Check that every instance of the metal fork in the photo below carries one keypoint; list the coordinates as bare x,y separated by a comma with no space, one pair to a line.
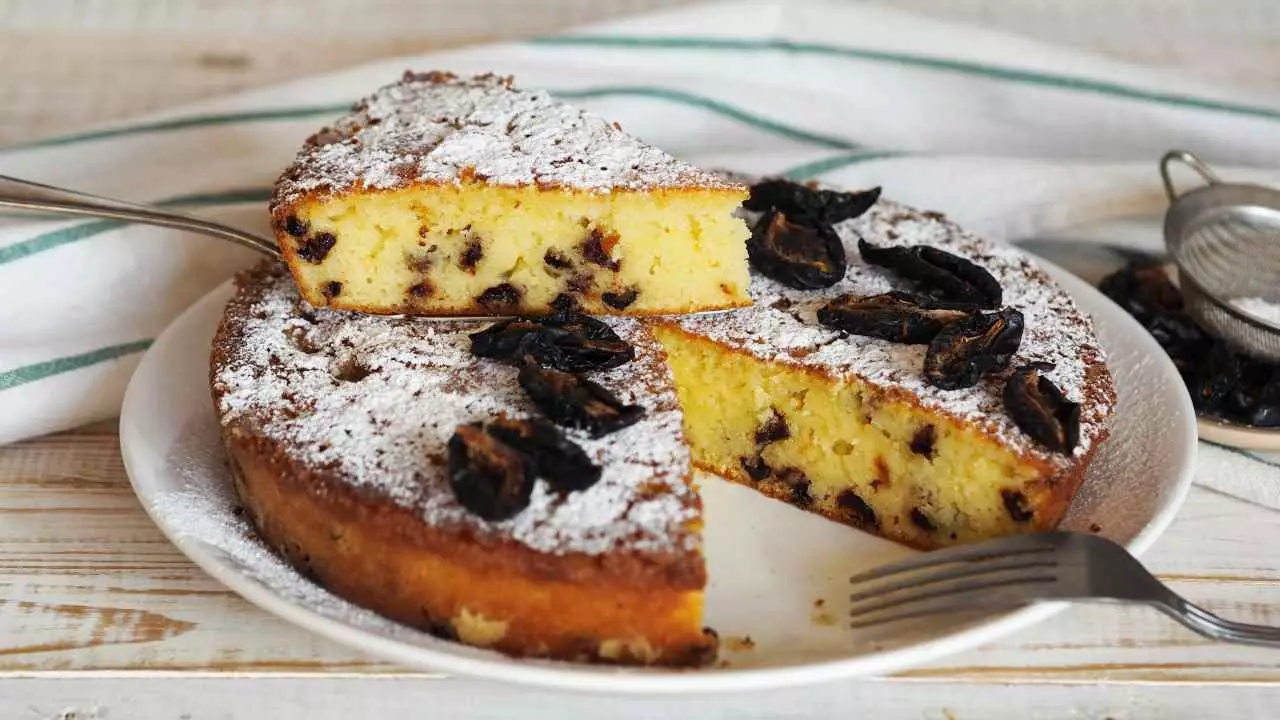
1022,569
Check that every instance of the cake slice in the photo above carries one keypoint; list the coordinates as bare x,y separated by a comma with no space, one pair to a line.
441,195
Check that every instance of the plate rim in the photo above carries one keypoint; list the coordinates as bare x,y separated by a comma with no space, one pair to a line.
595,678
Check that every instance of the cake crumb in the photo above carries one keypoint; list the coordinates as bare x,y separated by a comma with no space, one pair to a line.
736,644
1095,528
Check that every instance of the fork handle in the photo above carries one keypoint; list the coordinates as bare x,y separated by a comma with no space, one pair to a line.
27,195
1211,626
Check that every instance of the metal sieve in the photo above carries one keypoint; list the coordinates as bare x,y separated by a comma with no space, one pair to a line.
1225,240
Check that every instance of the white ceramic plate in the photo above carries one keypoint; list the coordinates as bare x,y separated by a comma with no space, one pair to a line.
768,562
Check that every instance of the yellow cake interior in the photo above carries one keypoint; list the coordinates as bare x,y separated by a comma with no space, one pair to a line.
456,248
924,487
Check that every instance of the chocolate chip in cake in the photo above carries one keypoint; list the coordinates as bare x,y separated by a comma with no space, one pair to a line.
500,297
559,460
1040,409
574,401
799,256
1015,503
556,259
331,289
596,249
922,521
798,482
471,255
567,340
795,199
755,467
773,429
937,272
488,477
894,316
964,351
620,300
857,509
317,247
923,441
294,226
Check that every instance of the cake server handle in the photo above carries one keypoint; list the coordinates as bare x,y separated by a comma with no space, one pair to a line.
27,195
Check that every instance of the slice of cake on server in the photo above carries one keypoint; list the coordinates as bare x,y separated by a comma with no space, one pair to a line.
440,195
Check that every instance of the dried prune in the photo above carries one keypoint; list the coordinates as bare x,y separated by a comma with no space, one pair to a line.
772,429
596,249
857,509
799,256
795,479
1015,503
502,297
316,248
1266,411
294,226
801,201
755,467
489,478
567,340
937,272
968,349
924,440
559,460
1040,409
921,520
894,316
574,401
1220,373
620,300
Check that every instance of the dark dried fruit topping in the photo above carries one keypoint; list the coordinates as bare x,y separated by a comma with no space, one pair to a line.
554,258
922,521
798,482
857,509
559,460
597,247
966,350
799,256
568,341
471,255
801,201
317,247
294,226
937,272
773,429
574,401
500,297
331,289
923,441
755,467
489,478
1015,503
894,316
620,300
1040,409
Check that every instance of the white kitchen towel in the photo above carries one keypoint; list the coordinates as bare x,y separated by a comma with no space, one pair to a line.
1011,137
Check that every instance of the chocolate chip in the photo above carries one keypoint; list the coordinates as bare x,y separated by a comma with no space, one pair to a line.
922,443
315,249
594,249
471,256
554,258
773,429
500,297
294,226
795,479
755,467
620,301
331,289
922,521
1015,503
857,508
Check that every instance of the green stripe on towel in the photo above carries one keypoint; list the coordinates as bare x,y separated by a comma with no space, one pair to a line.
994,72
810,170
49,368
75,233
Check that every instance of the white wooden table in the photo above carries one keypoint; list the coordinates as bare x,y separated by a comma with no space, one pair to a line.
100,617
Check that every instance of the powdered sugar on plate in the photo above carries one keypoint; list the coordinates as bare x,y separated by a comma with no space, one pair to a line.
375,400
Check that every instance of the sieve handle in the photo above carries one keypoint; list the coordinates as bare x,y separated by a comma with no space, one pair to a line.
1191,161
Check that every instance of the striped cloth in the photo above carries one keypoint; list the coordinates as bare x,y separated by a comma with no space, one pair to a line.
1009,136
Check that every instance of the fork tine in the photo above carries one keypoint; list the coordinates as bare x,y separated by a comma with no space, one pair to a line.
994,599
1029,544
1007,563
951,591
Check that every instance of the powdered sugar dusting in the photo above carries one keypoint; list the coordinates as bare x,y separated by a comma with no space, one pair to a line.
782,327
436,128
375,400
